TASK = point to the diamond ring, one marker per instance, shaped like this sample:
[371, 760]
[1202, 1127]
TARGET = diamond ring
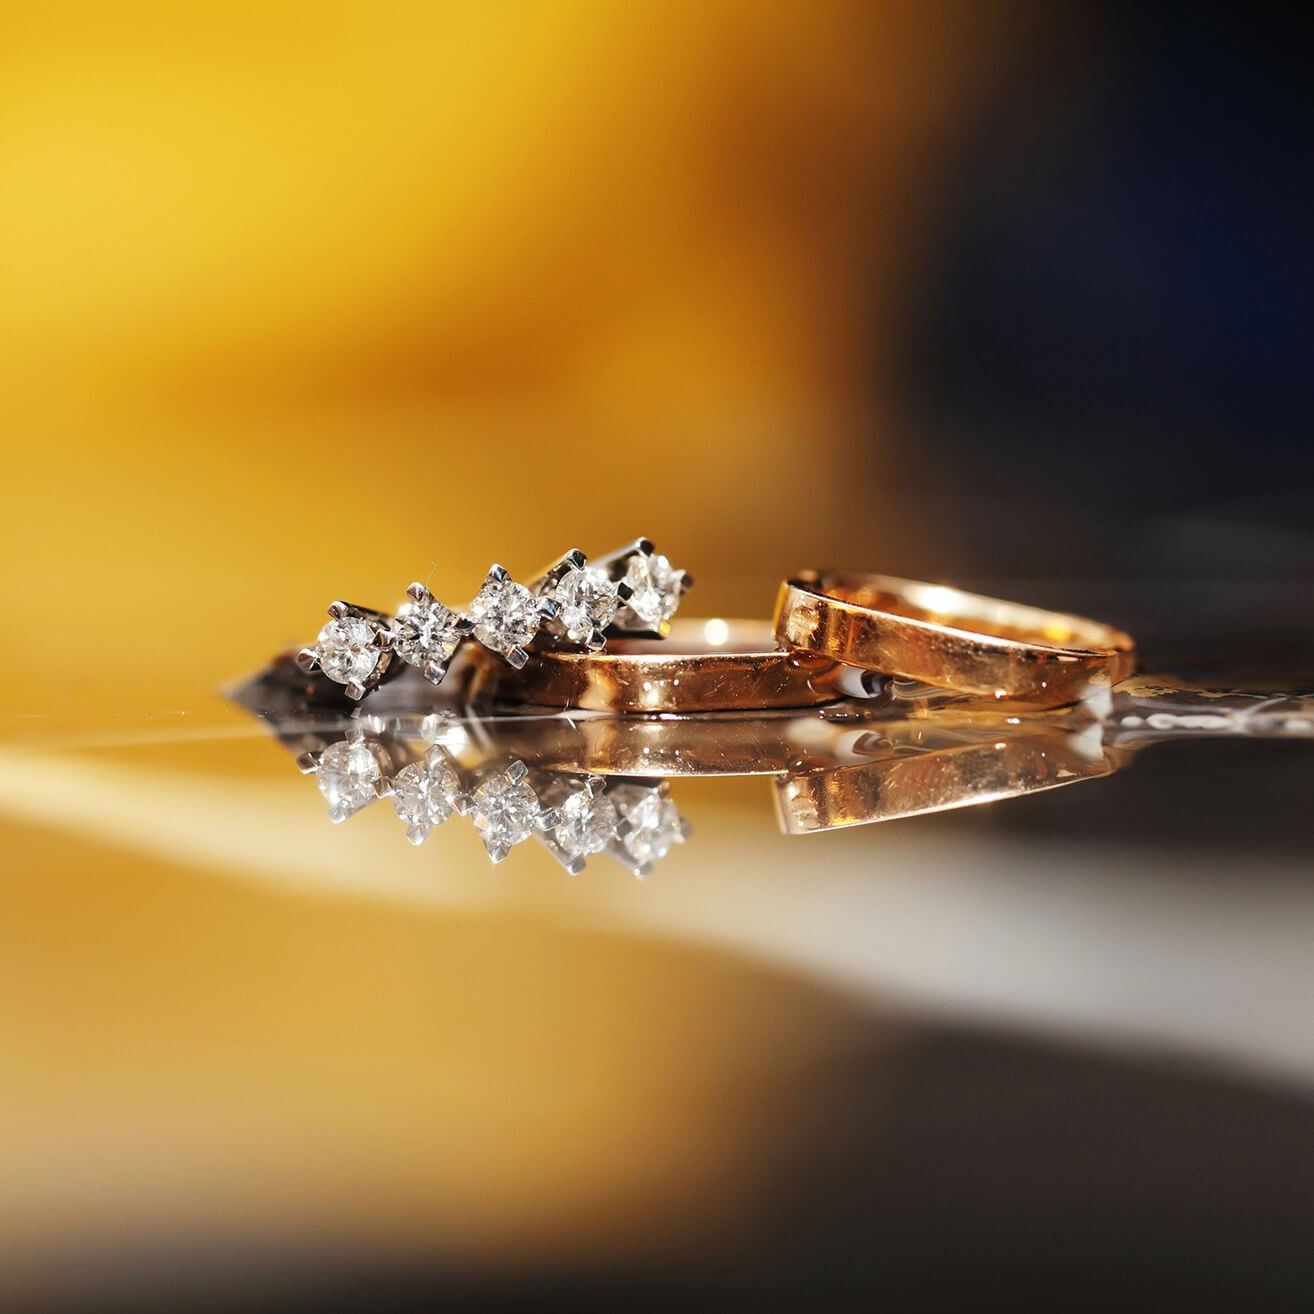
[354, 649]
[579, 603]
[426, 634]
[574, 603]
[633, 591]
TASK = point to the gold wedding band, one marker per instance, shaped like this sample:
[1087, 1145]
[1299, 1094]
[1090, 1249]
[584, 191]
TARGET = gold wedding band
[916, 774]
[702, 666]
[942, 636]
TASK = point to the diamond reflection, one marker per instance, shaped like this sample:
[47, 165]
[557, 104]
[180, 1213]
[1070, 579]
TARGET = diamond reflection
[425, 793]
[576, 816]
[588, 785]
[350, 774]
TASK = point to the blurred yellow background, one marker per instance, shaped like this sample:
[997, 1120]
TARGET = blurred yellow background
[299, 301]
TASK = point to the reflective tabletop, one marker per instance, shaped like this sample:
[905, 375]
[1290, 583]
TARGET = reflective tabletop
[431, 1000]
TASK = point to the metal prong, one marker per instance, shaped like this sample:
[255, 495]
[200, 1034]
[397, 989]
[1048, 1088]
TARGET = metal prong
[434, 671]
[464, 625]
[517, 770]
[548, 819]
[624, 592]
[497, 574]
[644, 547]
[496, 852]
[417, 834]
[382, 787]
[308, 659]
[516, 658]
[308, 763]
[339, 813]
[558, 570]
[686, 580]
[594, 785]
[548, 609]
[574, 866]
[356, 690]
[461, 805]
[596, 641]
[417, 592]
[338, 610]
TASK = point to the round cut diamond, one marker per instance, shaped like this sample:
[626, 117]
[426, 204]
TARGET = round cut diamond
[427, 633]
[587, 824]
[505, 811]
[346, 775]
[588, 602]
[505, 614]
[656, 586]
[424, 794]
[348, 649]
[655, 824]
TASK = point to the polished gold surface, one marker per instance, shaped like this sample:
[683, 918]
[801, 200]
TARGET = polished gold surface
[728, 744]
[1001, 650]
[703, 666]
[916, 768]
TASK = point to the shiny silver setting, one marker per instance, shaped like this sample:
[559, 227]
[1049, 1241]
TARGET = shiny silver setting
[577, 602]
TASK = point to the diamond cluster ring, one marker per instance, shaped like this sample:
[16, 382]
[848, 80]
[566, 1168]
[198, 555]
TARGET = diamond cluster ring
[576, 602]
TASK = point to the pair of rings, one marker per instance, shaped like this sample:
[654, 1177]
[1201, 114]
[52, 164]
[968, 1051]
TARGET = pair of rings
[835, 635]
[598, 636]
[576, 602]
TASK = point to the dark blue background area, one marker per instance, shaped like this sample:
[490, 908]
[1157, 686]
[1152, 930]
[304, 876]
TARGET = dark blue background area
[1113, 318]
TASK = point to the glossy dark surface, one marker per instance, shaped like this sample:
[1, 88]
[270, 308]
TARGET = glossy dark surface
[1050, 1032]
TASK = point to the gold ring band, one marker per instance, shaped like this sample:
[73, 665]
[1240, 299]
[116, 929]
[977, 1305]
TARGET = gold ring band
[703, 666]
[943, 636]
[917, 775]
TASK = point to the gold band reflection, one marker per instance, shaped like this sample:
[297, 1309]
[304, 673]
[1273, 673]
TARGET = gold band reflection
[596, 785]
[593, 784]
[918, 769]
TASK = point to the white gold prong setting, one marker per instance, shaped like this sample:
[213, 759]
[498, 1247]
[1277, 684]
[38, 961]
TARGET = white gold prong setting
[584, 600]
[655, 588]
[506, 616]
[353, 649]
[631, 591]
[427, 634]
